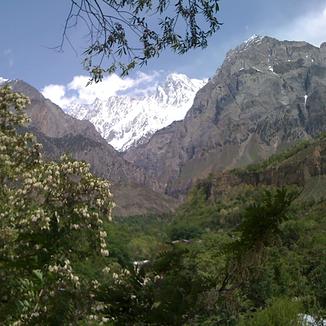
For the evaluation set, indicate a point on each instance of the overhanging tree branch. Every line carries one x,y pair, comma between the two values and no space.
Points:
126,34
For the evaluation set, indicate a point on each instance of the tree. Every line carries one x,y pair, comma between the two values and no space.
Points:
128,33
51,227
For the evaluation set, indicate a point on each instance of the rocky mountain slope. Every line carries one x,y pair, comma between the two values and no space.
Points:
60,133
303,165
127,120
267,95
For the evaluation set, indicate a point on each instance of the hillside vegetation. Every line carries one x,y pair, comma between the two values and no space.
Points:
250,253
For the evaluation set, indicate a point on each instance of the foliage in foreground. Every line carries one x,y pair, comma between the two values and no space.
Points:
51,225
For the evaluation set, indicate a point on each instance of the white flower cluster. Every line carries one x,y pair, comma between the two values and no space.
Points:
103,245
65,272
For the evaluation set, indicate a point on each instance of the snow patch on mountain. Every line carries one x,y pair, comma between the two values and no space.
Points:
129,119
253,39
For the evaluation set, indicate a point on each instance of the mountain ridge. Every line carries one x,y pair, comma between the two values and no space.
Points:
266,95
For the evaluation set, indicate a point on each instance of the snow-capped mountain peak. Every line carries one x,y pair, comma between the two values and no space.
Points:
128,120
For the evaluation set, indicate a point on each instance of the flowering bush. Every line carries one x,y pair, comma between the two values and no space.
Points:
51,222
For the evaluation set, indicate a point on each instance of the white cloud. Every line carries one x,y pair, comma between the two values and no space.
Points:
56,93
310,27
3,80
111,85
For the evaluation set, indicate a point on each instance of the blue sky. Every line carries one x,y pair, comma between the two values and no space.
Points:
28,29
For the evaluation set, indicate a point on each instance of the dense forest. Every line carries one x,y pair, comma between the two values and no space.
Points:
250,254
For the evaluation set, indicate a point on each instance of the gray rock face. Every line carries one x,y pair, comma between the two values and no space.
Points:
266,95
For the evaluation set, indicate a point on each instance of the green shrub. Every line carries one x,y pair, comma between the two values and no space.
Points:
281,312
